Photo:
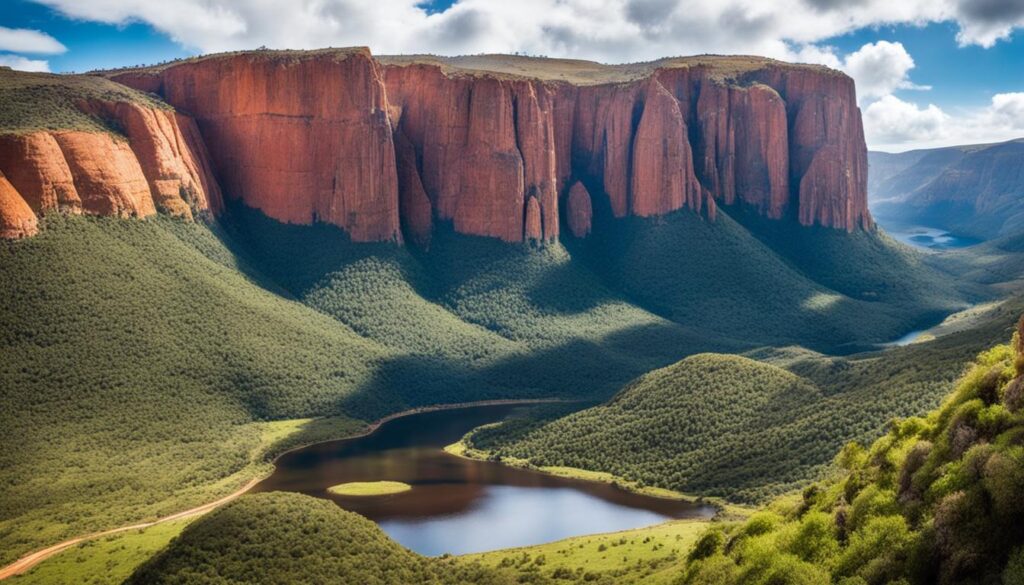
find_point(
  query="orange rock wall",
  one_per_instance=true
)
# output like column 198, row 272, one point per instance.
column 302, row 140
column 379, row 149
column 579, row 211
column 160, row 165
column 16, row 218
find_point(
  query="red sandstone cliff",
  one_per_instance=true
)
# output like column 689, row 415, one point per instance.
column 160, row 164
column 16, row 217
column 492, row 145
column 302, row 139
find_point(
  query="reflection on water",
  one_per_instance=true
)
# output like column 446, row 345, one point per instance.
column 458, row 505
column 928, row 238
column 906, row 339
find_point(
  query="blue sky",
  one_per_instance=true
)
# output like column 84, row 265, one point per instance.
column 929, row 72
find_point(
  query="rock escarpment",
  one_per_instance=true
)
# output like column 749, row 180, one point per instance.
column 150, row 160
column 385, row 148
column 303, row 140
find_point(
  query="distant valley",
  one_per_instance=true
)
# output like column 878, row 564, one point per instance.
column 973, row 192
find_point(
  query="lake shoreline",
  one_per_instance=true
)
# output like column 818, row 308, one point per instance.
column 31, row 559
column 726, row 509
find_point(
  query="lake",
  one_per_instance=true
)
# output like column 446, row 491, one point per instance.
column 927, row 238
column 458, row 505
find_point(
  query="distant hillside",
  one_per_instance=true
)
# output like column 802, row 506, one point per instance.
column 935, row 500
column 283, row 537
column 973, row 190
column 742, row 429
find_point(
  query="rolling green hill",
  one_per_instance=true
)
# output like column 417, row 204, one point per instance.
column 44, row 101
column 280, row 537
column 136, row 363
column 747, row 430
column 935, row 500
column 770, row 282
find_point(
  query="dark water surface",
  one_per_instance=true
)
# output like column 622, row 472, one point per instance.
column 926, row 237
column 461, row 506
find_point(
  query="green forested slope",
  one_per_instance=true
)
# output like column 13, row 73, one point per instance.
column 773, row 283
column 280, row 537
column 746, row 430
column 935, row 500
column 134, row 366
column 473, row 312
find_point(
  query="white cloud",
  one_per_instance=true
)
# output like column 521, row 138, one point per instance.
column 880, row 69
column 893, row 124
column 20, row 63
column 1008, row 110
column 612, row 31
column 892, row 121
column 816, row 54
column 23, row 40
column 604, row 30
column 984, row 22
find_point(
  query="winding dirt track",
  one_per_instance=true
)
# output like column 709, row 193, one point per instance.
column 34, row 558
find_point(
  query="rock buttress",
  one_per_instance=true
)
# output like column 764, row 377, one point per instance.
column 303, row 140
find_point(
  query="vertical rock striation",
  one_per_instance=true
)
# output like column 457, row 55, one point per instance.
column 495, row 146
column 16, row 218
column 304, row 139
column 579, row 211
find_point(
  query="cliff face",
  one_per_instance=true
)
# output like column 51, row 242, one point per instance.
column 160, row 166
column 386, row 147
column 302, row 140
column 16, row 217
column 382, row 147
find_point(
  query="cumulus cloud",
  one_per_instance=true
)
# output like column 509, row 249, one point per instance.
column 605, row 30
column 892, row 121
column 893, row 124
column 880, row 69
column 23, row 64
column 1008, row 110
column 613, row 31
column 23, row 40
column 984, row 22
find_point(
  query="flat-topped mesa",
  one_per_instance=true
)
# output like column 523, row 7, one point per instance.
column 102, row 156
column 492, row 144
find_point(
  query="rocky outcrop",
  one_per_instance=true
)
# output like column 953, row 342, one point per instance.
column 485, row 146
column 579, row 211
column 603, row 138
column 107, row 174
column 663, row 178
column 16, row 217
column 380, row 147
column 413, row 204
column 304, row 139
column 532, row 226
column 742, row 149
column 35, row 166
column 177, row 181
column 827, row 153
column 158, row 164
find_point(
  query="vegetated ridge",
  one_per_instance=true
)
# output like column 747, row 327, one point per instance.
column 935, row 500
column 973, row 190
column 729, row 426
